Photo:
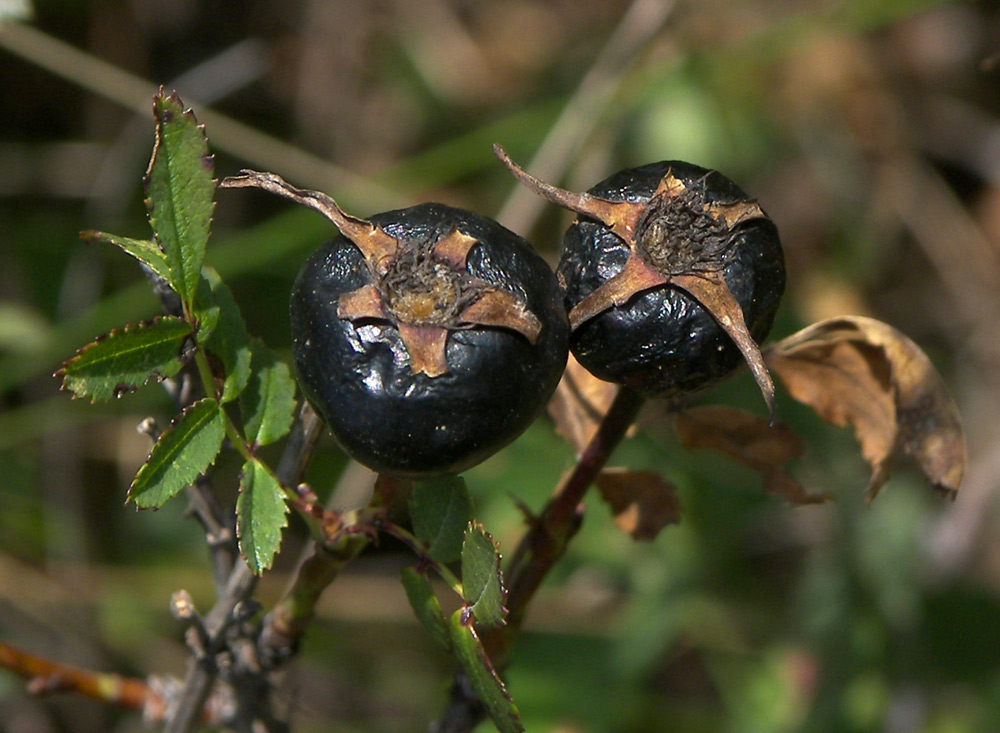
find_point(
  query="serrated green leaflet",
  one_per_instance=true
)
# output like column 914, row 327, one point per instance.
column 268, row 402
column 483, row 677
column 440, row 510
column 261, row 514
column 426, row 605
column 185, row 450
column 145, row 250
column 179, row 188
column 482, row 582
column 124, row 360
column 229, row 340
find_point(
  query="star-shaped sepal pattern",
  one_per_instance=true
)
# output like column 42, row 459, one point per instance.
column 675, row 238
column 424, row 290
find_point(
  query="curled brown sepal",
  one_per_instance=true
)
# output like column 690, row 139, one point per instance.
column 374, row 243
column 702, row 281
column 709, row 289
column 621, row 217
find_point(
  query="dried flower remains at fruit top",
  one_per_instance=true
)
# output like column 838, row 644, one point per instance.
column 677, row 237
column 425, row 291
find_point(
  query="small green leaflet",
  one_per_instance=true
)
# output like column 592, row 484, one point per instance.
column 179, row 191
column 125, row 359
column 184, row 451
column 229, row 340
column 482, row 582
column 268, row 402
column 483, row 677
column 145, row 250
column 261, row 514
column 426, row 605
column 440, row 509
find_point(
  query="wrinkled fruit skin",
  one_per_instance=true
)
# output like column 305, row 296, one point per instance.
column 662, row 342
column 357, row 375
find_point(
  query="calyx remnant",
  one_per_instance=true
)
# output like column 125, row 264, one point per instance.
column 678, row 238
column 424, row 289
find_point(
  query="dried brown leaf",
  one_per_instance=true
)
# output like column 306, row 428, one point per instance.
column 643, row 502
column 864, row 373
column 748, row 439
column 579, row 404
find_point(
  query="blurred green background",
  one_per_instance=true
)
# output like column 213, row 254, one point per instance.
column 869, row 131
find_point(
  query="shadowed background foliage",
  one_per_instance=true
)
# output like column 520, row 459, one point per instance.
column 868, row 131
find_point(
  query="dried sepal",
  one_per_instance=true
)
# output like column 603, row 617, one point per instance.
column 422, row 328
column 634, row 277
column 621, row 217
column 503, row 310
column 375, row 244
column 426, row 346
column 709, row 289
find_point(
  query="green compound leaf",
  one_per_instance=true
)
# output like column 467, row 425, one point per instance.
column 268, row 402
column 261, row 514
column 179, row 189
column 426, row 605
column 125, row 359
column 440, row 509
column 146, row 251
column 228, row 339
column 185, row 451
column 483, row 677
column 482, row 581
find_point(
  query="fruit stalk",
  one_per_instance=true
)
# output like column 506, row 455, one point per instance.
column 550, row 532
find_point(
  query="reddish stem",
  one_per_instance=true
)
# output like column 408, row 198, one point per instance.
column 550, row 532
column 46, row 676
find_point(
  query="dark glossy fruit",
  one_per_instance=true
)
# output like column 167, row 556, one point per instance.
column 671, row 277
column 426, row 338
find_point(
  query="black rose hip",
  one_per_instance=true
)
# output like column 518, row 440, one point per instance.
column 426, row 338
column 671, row 276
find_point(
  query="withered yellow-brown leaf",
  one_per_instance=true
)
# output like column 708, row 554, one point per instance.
column 862, row 372
column 643, row 502
column 747, row 438
column 579, row 403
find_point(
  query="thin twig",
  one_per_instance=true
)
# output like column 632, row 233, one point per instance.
column 550, row 532
column 187, row 707
column 46, row 676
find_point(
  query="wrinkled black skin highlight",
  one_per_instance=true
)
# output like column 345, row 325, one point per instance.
column 662, row 342
column 357, row 375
